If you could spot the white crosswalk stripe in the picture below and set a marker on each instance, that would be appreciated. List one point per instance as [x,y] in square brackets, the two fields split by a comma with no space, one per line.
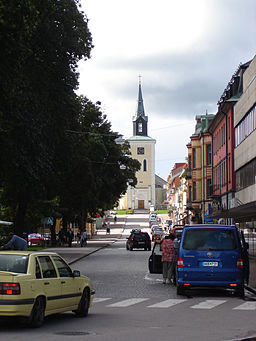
[100,299]
[246,306]
[208,304]
[128,302]
[166,304]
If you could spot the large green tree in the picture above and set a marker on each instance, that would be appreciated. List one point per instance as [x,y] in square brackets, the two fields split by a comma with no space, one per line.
[41,43]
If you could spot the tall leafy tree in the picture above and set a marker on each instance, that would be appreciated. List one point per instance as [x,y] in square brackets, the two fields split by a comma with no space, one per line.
[41,44]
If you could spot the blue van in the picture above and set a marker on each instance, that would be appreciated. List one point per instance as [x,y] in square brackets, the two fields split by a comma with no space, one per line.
[212,256]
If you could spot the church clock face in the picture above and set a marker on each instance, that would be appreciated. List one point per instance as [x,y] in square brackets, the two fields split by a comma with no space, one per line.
[140,150]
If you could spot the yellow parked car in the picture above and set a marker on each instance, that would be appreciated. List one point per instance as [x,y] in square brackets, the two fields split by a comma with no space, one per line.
[36,284]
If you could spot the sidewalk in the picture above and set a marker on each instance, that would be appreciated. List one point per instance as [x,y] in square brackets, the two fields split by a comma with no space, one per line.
[97,242]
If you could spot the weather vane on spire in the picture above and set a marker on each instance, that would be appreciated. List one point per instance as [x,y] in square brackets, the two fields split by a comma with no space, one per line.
[140,79]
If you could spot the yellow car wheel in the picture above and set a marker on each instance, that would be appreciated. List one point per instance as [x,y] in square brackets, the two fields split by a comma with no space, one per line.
[36,318]
[84,304]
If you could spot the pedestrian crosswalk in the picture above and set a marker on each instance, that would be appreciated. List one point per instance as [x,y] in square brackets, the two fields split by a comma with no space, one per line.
[169,303]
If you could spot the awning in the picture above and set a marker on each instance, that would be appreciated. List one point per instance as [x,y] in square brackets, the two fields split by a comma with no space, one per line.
[240,213]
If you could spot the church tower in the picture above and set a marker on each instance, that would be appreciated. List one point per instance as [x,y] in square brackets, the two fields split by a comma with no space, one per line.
[140,120]
[142,196]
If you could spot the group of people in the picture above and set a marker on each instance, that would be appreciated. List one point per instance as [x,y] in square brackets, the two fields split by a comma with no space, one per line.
[67,237]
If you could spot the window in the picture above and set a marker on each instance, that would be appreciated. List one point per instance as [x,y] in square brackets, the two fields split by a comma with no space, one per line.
[229,128]
[246,126]
[140,127]
[144,165]
[140,150]
[38,271]
[190,193]
[189,162]
[229,168]
[13,263]
[209,239]
[63,268]
[246,176]
[47,267]
[208,155]
[194,158]
[194,190]
[209,186]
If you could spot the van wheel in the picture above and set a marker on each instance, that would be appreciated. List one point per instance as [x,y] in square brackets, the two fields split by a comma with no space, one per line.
[179,290]
[239,292]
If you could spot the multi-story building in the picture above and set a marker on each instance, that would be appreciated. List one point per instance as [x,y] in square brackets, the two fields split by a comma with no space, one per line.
[245,149]
[223,139]
[199,172]
[174,193]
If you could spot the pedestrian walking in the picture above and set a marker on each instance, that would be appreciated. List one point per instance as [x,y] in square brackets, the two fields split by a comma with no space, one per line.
[115,219]
[108,228]
[169,258]
[84,239]
[70,236]
[16,243]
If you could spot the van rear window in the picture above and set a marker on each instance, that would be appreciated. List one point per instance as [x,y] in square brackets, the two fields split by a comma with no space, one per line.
[209,239]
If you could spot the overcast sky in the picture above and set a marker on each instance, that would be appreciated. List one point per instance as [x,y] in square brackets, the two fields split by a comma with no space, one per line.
[186,52]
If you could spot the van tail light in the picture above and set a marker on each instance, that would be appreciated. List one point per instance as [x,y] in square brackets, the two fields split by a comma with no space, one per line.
[180,263]
[9,288]
[240,263]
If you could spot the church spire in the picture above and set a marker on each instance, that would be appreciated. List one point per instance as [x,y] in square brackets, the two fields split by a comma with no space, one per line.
[140,120]
[140,108]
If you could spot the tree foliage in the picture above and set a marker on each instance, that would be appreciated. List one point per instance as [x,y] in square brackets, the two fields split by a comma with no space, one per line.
[54,146]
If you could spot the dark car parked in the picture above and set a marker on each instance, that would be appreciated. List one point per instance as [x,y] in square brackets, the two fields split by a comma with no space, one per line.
[138,240]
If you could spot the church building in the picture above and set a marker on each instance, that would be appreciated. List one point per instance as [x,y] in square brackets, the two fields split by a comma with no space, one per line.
[142,196]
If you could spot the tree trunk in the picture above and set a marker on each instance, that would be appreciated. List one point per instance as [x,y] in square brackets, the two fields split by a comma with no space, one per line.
[19,224]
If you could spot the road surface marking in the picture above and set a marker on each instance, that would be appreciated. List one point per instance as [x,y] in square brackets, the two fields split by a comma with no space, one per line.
[100,299]
[128,302]
[166,304]
[208,304]
[246,306]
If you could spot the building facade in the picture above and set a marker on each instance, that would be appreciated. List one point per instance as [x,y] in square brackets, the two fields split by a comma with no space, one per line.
[199,173]
[175,193]
[245,148]
[223,143]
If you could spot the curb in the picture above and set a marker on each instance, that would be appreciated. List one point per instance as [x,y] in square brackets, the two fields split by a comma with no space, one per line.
[99,248]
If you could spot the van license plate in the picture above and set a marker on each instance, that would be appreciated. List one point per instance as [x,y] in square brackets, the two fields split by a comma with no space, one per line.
[210,264]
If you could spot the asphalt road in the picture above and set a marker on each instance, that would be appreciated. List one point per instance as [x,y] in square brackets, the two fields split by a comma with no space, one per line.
[131,304]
